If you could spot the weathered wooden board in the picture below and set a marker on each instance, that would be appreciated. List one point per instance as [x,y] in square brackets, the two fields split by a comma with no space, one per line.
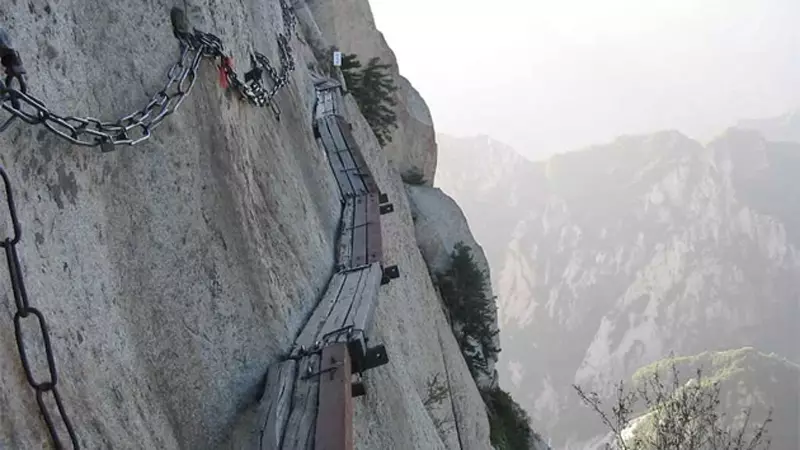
[344,256]
[308,335]
[335,414]
[335,160]
[358,156]
[364,308]
[336,320]
[326,84]
[338,104]
[345,153]
[321,104]
[374,237]
[360,232]
[301,426]
[338,139]
[276,403]
[329,102]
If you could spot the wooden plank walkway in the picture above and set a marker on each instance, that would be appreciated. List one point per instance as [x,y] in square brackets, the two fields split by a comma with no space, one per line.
[307,403]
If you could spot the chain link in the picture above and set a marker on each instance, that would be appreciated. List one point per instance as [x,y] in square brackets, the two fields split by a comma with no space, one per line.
[128,130]
[46,387]
[138,126]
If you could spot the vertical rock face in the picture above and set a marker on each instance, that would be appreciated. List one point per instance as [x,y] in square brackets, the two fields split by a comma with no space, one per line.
[627,251]
[349,25]
[440,225]
[173,273]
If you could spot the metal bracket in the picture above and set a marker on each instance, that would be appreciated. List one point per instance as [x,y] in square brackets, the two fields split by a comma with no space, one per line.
[358,389]
[387,208]
[374,357]
[389,274]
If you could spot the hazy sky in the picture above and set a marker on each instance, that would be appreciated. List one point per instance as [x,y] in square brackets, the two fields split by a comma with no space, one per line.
[554,75]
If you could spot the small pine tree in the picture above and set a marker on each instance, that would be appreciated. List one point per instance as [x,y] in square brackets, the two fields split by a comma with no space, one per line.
[463,287]
[510,425]
[373,88]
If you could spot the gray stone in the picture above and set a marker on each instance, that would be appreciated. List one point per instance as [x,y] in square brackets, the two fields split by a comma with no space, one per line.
[440,225]
[174,273]
[349,25]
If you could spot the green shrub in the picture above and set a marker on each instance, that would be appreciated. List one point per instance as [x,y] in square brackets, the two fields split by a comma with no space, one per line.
[413,176]
[463,288]
[373,89]
[510,425]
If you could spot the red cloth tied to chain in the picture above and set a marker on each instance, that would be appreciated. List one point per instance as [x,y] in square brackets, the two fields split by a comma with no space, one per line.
[225,66]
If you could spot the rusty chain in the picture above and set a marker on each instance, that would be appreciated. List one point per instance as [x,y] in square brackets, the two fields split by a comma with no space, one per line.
[47,387]
[137,127]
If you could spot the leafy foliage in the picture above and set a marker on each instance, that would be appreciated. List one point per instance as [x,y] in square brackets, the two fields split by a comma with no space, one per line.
[510,425]
[413,176]
[373,88]
[463,287]
[675,415]
[437,390]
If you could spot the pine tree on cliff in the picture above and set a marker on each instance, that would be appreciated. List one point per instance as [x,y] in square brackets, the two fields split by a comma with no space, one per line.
[463,289]
[373,88]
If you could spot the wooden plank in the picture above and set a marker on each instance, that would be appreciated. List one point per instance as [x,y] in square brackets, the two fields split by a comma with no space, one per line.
[338,105]
[360,232]
[308,335]
[319,107]
[346,154]
[345,254]
[328,103]
[374,237]
[358,156]
[336,163]
[350,164]
[344,303]
[276,403]
[362,314]
[335,414]
[301,426]
[336,132]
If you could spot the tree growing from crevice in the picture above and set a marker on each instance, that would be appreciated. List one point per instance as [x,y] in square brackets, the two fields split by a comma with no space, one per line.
[373,88]
[436,392]
[470,310]
[413,176]
[662,412]
[510,425]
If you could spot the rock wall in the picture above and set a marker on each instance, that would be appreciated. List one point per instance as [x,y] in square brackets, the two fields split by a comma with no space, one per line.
[174,272]
[440,225]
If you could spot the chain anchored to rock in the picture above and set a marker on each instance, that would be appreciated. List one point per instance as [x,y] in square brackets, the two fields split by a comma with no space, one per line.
[46,388]
[138,126]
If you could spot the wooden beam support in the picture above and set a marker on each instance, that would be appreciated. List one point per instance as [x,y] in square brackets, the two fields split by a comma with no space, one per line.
[335,413]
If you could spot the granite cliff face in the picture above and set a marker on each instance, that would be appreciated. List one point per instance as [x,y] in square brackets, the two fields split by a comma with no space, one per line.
[621,253]
[174,272]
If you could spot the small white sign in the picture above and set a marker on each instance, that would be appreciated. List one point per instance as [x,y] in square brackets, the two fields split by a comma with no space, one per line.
[337,59]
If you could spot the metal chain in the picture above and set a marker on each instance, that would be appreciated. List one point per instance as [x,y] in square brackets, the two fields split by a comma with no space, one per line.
[129,130]
[137,127]
[47,387]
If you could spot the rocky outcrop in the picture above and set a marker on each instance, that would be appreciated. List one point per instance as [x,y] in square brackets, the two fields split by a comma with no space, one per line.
[439,226]
[624,252]
[173,273]
[349,25]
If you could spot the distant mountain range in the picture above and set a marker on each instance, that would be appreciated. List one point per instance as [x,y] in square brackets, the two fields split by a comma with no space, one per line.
[607,259]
